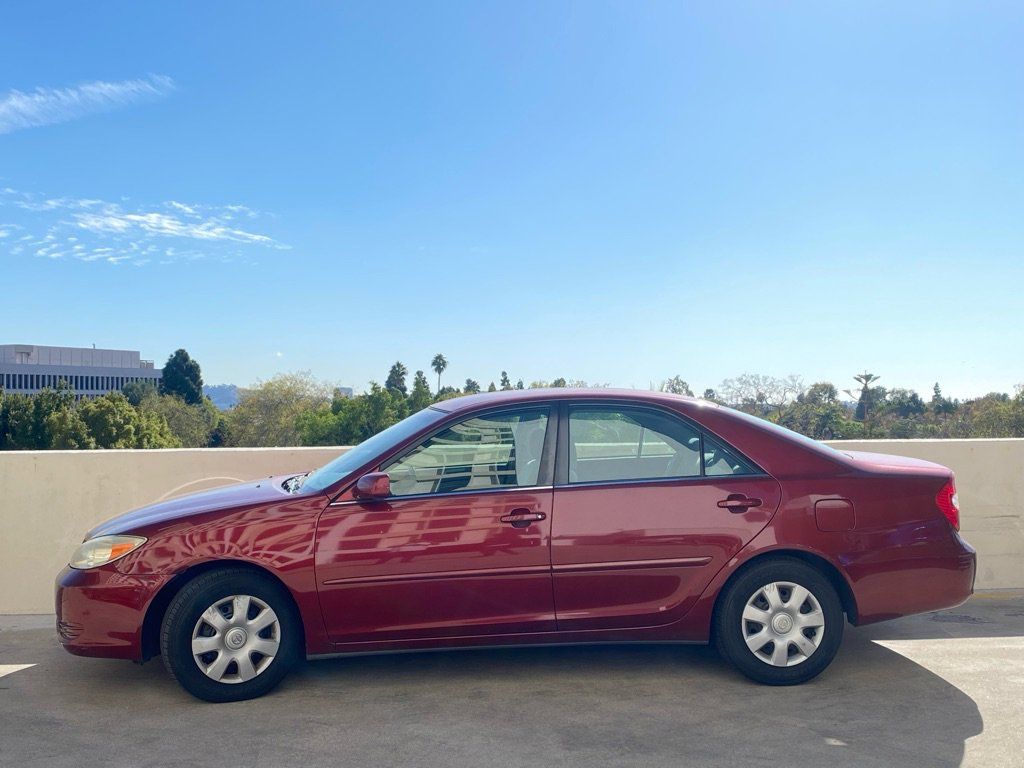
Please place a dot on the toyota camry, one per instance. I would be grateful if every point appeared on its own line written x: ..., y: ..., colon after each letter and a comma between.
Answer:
x: 527, y: 517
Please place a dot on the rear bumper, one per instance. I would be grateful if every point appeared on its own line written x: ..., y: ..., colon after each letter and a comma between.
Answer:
x: 910, y: 585
x: 100, y: 612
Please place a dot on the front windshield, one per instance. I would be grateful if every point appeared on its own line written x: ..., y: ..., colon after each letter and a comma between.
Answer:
x: 354, y: 458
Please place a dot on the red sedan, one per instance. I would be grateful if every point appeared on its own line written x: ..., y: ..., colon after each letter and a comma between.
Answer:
x: 538, y: 516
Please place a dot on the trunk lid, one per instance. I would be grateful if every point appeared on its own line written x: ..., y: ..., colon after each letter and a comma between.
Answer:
x: 889, y: 463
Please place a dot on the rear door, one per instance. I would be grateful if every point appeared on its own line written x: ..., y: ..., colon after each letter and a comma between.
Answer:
x: 647, y: 508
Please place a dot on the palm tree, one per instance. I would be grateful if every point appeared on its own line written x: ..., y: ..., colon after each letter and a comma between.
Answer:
x: 439, y: 364
x: 865, y: 380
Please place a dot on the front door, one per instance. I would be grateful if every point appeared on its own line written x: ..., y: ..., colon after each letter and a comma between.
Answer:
x: 462, y: 546
x: 638, y: 528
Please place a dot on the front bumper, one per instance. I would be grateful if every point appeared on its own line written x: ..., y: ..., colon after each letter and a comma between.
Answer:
x: 100, y: 612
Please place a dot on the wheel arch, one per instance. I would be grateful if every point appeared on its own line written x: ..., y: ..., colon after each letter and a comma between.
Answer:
x: 825, y: 567
x: 150, y: 635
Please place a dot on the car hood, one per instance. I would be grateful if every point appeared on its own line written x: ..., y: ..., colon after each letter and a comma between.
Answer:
x: 217, y: 499
x: 884, y: 462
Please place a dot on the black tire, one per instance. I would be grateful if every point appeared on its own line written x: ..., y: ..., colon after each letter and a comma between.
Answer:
x: 731, y: 629
x: 206, y: 590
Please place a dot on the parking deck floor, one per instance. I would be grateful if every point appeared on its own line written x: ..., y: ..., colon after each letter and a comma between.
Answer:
x: 945, y: 689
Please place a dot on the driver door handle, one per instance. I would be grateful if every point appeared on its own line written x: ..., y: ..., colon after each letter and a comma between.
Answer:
x: 737, y: 502
x: 522, y: 518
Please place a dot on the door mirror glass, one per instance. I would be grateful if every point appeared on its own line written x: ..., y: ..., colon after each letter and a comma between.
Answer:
x: 374, y: 485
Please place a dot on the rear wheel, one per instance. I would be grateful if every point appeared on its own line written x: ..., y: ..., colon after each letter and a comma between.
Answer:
x: 780, y: 622
x: 230, y: 634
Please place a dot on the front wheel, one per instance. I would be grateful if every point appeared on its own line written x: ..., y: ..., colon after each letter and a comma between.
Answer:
x: 780, y: 622
x: 230, y: 634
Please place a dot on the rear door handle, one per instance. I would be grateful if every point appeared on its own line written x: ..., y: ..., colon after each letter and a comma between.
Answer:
x: 737, y: 502
x: 522, y: 518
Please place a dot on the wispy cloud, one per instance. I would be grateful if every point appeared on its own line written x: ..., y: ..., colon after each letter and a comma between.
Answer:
x: 95, y: 230
x: 46, y: 106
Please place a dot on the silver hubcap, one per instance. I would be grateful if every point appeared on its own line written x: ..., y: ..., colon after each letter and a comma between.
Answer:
x: 783, y: 624
x: 236, y: 639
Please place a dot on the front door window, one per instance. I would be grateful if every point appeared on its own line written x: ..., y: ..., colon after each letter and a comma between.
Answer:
x: 501, y: 450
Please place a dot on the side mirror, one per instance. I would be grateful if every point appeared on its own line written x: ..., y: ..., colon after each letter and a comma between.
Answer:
x: 373, y: 485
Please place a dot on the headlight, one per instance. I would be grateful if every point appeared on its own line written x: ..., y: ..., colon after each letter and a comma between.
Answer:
x: 103, y: 550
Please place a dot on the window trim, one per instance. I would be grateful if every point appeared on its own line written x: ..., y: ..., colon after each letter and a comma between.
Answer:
x: 562, y: 455
x: 544, y: 473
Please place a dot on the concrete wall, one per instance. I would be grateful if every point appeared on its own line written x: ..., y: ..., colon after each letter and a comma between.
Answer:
x: 49, y: 499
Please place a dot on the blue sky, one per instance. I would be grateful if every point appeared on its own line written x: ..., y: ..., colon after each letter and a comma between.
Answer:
x: 612, y: 192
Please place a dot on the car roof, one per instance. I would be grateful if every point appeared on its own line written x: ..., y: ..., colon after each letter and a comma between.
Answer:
x: 516, y: 396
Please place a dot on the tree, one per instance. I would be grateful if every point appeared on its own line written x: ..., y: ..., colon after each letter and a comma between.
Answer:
x: 760, y: 395
x: 816, y: 413
x: 676, y: 386
x: 111, y: 420
x: 153, y: 432
x: 822, y: 393
x: 506, y: 383
x: 439, y: 364
x: 267, y: 414
x: 17, y: 419
x: 519, y: 384
x: 864, y: 396
x: 420, y: 396
x: 137, y: 391
x: 491, y: 387
x: 352, y: 420
x: 710, y: 394
x: 472, y: 387
x: 941, y: 406
x: 46, y: 402
x: 190, y: 425
x: 903, y: 403
x: 447, y: 393
x: 395, y: 382
x: 68, y: 431
x: 182, y: 377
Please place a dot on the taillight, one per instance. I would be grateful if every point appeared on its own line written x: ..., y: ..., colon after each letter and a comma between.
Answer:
x: 947, y: 503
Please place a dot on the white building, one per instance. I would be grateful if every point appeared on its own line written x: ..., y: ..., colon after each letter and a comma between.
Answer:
x: 27, y: 369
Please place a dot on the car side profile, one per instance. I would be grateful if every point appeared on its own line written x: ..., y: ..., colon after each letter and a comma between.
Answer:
x: 527, y: 517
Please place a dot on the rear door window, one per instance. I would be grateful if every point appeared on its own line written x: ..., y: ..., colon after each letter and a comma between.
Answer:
x: 611, y: 444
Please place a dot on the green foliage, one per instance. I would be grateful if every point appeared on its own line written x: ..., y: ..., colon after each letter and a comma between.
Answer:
x: 676, y: 386
x: 137, y: 391
x: 182, y: 377
x: 420, y: 396
x: 267, y: 414
x: 294, y: 409
x: 351, y: 420
x: 68, y: 431
x: 152, y: 431
x: 111, y: 420
x: 395, y: 382
x: 17, y: 420
x: 191, y: 426
x: 447, y: 393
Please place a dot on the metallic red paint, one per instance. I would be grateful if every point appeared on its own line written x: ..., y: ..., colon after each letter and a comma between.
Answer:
x: 605, y: 562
